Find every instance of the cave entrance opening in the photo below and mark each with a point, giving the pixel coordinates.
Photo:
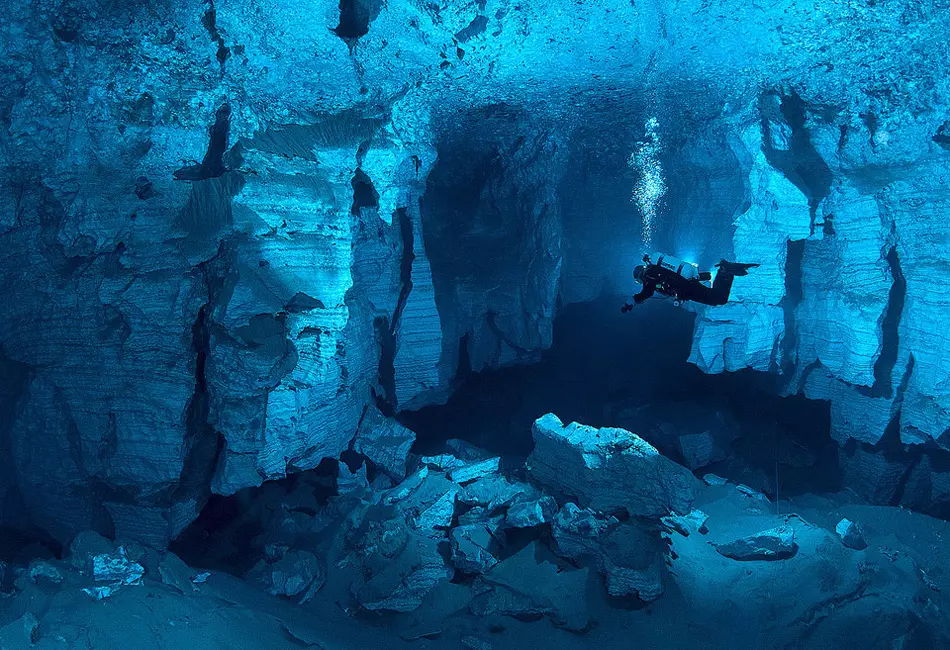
(610, 369)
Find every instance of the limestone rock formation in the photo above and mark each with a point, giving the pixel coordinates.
(231, 227)
(773, 544)
(608, 469)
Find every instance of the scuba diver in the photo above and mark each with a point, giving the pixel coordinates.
(683, 281)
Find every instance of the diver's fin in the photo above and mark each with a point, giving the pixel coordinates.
(735, 268)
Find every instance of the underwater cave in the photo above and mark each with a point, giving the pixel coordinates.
(368, 370)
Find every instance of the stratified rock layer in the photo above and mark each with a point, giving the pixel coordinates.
(229, 227)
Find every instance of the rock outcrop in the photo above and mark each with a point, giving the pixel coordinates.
(608, 469)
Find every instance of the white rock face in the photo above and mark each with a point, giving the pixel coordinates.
(226, 230)
(608, 469)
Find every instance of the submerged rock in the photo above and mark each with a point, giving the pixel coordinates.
(851, 535)
(694, 522)
(385, 442)
(112, 571)
(527, 514)
(496, 491)
(578, 533)
(608, 469)
(524, 588)
(42, 571)
(85, 546)
(21, 633)
(471, 545)
(176, 574)
(773, 544)
(400, 582)
(633, 562)
(297, 573)
(471, 471)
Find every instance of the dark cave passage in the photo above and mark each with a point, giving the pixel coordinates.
(629, 370)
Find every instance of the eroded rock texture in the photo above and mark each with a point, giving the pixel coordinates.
(231, 227)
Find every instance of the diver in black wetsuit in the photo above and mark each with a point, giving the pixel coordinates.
(673, 281)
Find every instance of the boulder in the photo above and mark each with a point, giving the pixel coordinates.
(348, 482)
(530, 513)
(87, 545)
(495, 491)
(470, 471)
(176, 574)
(608, 469)
(773, 544)
(632, 561)
(23, 633)
(41, 571)
(700, 449)
(398, 564)
(578, 533)
(112, 571)
(385, 442)
(399, 583)
(694, 522)
(851, 535)
(470, 546)
(430, 504)
(296, 574)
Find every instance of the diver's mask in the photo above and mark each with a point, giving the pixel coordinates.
(638, 273)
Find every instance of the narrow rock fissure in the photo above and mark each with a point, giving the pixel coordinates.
(212, 166)
(355, 18)
(389, 328)
(210, 22)
(202, 443)
(890, 338)
(800, 163)
(793, 297)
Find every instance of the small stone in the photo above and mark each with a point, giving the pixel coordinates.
(851, 535)
(578, 533)
(774, 544)
(116, 568)
(443, 462)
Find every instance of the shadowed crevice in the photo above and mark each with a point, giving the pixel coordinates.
(884, 366)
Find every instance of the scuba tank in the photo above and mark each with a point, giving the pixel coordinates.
(686, 269)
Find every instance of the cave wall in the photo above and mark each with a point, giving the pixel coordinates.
(231, 226)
